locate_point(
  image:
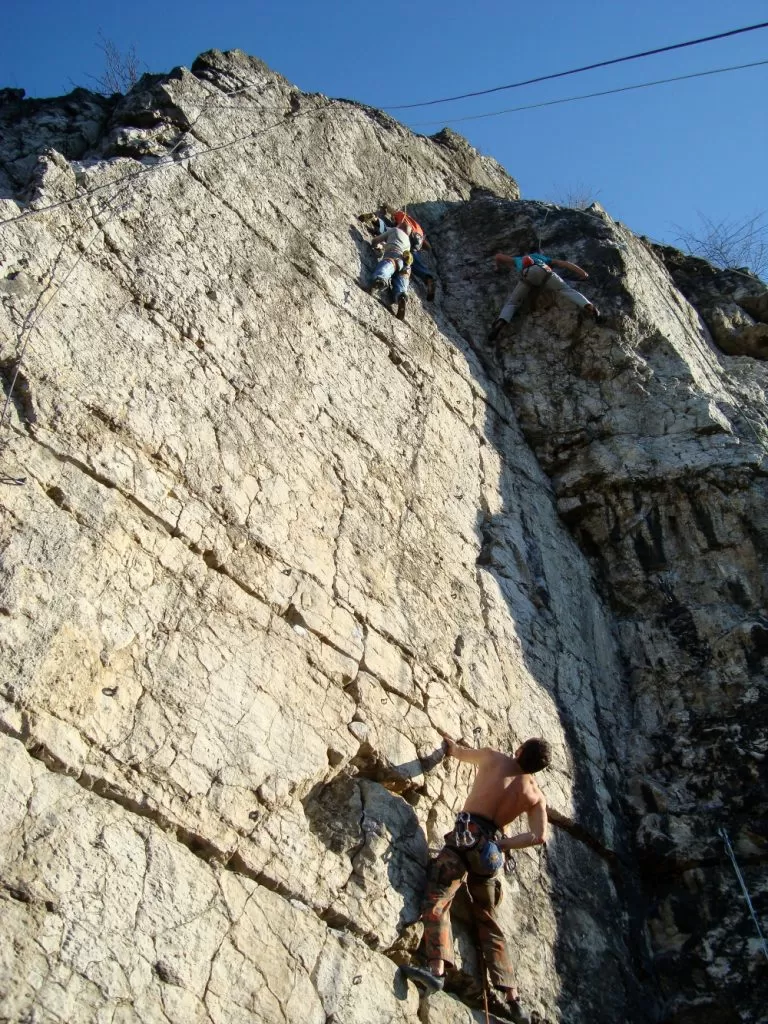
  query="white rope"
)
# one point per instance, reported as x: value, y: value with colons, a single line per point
x: 729, y: 850
x: 165, y: 162
x: 128, y: 181
x: 37, y: 311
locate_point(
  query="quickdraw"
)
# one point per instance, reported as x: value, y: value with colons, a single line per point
x: 464, y: 838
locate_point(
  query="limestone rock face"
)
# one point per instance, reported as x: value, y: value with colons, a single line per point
x: 262, y: 543
x: 732, y: 303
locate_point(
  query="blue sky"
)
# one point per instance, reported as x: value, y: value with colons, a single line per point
x: 653, y: 157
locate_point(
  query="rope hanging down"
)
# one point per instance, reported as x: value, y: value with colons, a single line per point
x: 729, y: 850
x: 128, y: 183
x: 586, y: 67
x: 188, y: 158
x: 38, y: 310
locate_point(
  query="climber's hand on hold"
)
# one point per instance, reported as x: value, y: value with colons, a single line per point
x: 449, y: 745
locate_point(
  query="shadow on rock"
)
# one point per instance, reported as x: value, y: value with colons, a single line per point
x: 380, y: 833
x: 563, y: 631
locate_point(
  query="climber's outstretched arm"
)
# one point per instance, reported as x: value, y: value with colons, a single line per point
x: 573, y: 267
x: 537, y: 830
x: 503, y: 260
x: 469, y: 754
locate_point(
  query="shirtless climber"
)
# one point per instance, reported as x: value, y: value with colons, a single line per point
x: 394, y: 266
x: 504, y: 788
x: 535, y: 272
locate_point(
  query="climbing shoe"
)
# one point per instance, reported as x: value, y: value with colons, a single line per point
x: 424, y: 978
x: 496, y: 329
x: 516, y: 1010
x: 430, y: 289
x: 400, y: 314
x: 593, y: 313
x: 375, y: 286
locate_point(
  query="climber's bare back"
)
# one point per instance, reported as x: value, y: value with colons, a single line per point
x: 500, y: 792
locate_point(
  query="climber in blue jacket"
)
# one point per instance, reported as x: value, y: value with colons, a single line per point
x: 536, y: 272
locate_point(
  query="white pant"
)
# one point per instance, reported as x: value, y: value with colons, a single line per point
x: 538, y: 277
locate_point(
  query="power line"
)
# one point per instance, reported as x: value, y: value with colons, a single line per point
x: 586, y: 67
x: 294, y: 116
x: 591, y: 95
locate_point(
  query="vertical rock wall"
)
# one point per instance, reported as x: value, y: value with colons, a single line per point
x: 271, y: 541
x: 655, y: 443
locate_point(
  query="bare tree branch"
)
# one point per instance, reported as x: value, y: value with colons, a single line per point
x: 122, y: 69
x: 577, y: 196
x: 730, y: 244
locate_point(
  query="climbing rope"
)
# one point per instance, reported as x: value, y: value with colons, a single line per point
x: 165, y: 163
x: 128, y: 181
x: 35, y: 314
x: 729, y: 850
x: 406, y: 193
x: 485, y: 994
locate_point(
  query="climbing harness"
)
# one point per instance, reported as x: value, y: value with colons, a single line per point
x: 401, y: 264
x: 478, y: 842
x: 532, y: 265
x: 729, y: 850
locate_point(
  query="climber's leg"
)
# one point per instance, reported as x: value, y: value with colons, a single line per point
x: 510, y: 307
x: 400, y: 283
x: 445, y: 876
x: 422, y: 271
x: 486, y: 896
x: 381, y: 275
x: 555, y: 283
x: 515, y: 300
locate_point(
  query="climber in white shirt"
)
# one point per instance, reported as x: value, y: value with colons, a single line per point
x: 394, y: 266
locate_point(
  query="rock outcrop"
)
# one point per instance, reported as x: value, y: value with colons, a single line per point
x: 732, y: 303
x: 262, y: 543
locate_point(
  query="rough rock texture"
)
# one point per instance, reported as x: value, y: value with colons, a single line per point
x: 71, y: 125
x: 271, y: 541
x: 732, y: 303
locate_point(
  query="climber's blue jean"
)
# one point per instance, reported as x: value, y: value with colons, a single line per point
x: 420, y: 268
x: 398, y: 280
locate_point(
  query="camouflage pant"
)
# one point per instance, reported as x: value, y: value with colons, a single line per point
x: 446, y: 875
